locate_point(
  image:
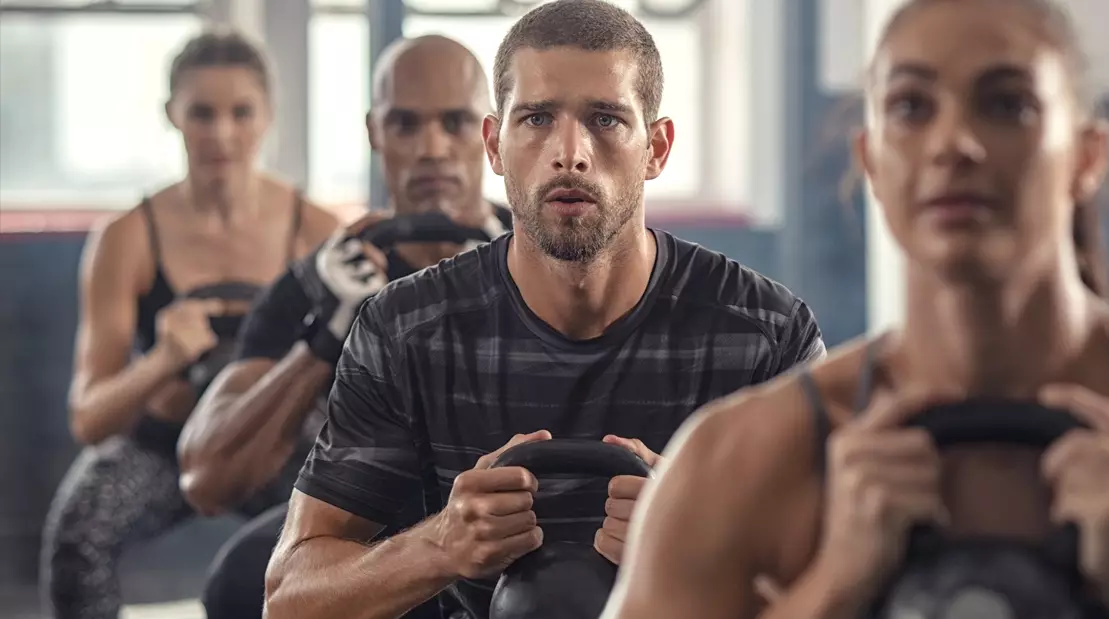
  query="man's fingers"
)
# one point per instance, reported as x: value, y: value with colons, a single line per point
x: 503, y: 527
x: 635, y: 446
x: 608, y: 546
x: 616, y: 527
x: 504, y: 479
x: 522, y: 543
x: 487, y: 460
x: 619, y: 508
x: 626, y: 487
x: 509, y: 503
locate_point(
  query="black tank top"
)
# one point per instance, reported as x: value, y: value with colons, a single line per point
x: 821, y: 420
x: 163, y: 435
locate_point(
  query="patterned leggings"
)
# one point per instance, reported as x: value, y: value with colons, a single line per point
x: 115, y: 495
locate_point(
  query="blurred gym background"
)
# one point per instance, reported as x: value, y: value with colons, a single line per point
x: 763, y: 94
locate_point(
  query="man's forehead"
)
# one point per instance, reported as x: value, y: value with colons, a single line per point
x: 571, y: 66
x: 429, y: 109
x: 571, y: 74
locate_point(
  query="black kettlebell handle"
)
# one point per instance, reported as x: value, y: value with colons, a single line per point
x: 420, y: 228
x: 998, y: 422
x: 573, y: 457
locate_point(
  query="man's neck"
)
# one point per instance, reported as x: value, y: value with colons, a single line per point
x: 1003, y: 341
x: 582, y: 300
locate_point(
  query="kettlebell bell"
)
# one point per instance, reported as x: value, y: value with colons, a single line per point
x: 562, y: 580
x: 985, y: 577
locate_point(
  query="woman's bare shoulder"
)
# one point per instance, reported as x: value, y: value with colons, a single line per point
x: 836, y: 377
x: 316, y: 222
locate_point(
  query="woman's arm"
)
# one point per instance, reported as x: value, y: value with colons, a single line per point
x: 108, y: 390
x: 713, y: 520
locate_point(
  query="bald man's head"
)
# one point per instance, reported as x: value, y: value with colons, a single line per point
x: 429, y: 96
x: 424, y: 58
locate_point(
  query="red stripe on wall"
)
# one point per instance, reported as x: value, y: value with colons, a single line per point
x: 18, y: 219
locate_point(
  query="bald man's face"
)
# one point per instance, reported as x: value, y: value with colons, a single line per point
x: 426, y: 126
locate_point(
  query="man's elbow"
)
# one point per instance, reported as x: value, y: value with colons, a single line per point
x: 209, y: 489
x: 277, y: 597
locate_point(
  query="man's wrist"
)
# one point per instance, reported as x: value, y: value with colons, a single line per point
x: 439, y: 562
x: 325, y: 346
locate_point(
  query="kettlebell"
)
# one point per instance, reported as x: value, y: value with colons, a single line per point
x: 562, y: 580
x: 984, y: 577
x: 433, y: 227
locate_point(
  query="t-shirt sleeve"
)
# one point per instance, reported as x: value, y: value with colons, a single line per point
x: 801, y: 340
x: 365, y: 459
x: 276, y: 321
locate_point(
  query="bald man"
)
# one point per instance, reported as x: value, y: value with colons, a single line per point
x: 429, y: 97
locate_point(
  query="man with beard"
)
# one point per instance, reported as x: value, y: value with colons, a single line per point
x: 583, y: 323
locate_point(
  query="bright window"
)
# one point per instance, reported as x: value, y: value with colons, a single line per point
x: 339, y: 87
x: 82, y: 111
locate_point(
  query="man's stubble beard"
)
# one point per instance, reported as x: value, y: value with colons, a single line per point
x: 576, y: 240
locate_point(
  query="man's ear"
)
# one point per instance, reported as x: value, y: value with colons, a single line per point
x: 661, y: 139
x: 491, y: 135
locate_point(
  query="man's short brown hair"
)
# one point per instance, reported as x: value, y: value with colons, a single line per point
x: 590, y: 25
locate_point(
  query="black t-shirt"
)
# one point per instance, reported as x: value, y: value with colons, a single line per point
x: 448, y: 364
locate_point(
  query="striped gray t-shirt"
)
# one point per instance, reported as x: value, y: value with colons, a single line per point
x: 448, y: 364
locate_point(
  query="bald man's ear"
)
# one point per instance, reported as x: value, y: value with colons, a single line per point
x: 371, y: 130
x: 491, y: 135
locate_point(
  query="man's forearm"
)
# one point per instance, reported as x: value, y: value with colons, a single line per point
x: 276, y: 406
x: 328, y: 577
x: 239, y: 438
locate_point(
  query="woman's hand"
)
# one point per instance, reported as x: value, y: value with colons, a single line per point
x: 1077, y: 468
x: 883, y: 478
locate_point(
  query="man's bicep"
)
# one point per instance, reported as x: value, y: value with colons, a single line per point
x: 276, y: 321
x: 310, y: 518
x: 365, y: 459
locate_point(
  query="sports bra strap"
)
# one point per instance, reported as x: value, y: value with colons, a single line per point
x: 151, y: 232
x: 294, y: 229
x: 822, y: 425
x: 866, y: 376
